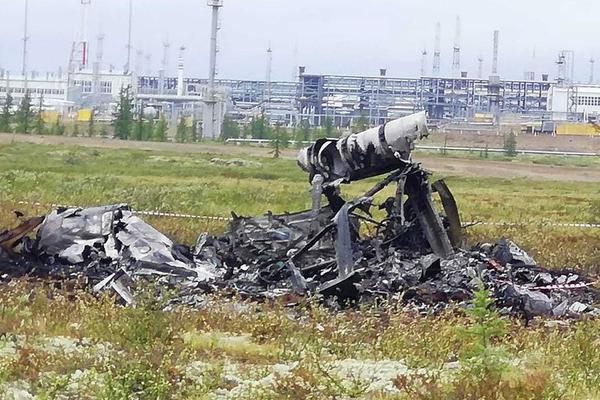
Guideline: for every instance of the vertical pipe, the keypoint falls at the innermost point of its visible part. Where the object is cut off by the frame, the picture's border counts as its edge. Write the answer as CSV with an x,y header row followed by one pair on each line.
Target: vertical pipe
x,y
25,40
456,54
84,33
436,50
267,99
180,67
210,126
128,65
495,59
212,67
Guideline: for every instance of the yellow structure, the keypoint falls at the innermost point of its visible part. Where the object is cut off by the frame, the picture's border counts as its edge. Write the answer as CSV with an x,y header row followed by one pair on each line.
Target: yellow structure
x,y
571,129
84,115
50,117
483,118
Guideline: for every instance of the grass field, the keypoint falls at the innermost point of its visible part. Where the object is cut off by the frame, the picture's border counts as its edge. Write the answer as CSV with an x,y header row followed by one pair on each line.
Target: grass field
x,y
62,342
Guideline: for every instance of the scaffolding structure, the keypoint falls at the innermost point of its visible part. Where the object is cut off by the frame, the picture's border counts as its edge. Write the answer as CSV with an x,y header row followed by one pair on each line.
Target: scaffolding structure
x,y
344,98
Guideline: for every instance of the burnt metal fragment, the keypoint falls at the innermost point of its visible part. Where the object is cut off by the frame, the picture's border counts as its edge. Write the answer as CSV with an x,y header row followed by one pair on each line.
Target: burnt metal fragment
x,y
340,250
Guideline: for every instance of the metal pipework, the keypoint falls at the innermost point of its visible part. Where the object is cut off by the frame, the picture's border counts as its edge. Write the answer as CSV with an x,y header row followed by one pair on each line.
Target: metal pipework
x,y
362,155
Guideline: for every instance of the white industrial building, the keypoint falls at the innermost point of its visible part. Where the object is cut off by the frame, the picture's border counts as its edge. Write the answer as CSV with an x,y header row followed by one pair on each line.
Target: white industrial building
x,y
576,101
65,92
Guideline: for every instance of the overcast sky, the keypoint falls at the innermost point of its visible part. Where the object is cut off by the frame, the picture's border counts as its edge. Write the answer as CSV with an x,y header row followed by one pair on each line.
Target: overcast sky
x,y
330,36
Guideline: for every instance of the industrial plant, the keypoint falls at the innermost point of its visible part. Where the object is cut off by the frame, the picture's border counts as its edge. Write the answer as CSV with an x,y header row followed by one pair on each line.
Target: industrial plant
x,y
90,86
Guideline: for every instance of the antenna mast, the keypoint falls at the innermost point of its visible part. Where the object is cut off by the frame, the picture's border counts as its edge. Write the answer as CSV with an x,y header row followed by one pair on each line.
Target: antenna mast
x,y
436,50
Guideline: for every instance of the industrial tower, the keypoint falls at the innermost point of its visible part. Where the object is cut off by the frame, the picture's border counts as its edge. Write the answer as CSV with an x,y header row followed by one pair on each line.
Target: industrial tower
x,y
82,46
165,59
211,120
97,66
495,54
423,61
25,40
180,72
267,96
456,53
164,66
480,67
127,68
592,62
436,50
566,66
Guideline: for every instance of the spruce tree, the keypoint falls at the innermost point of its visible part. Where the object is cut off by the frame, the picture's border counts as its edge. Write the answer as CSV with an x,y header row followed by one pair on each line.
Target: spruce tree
x,y
103,131
510,145
360,125
123,117
231,130
6,116
40,125
160,130
148,132
24,115
304,133
91,125
259,127
138,128
59,128
329,129
182,135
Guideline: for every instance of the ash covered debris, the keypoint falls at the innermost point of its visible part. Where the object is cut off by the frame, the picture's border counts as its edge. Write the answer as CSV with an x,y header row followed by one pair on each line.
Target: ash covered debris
x,y
412,255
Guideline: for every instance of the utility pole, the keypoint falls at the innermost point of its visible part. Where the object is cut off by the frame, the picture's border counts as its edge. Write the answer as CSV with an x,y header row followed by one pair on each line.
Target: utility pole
x,y
164,67
139,61
165,59
84,41
129,48
180,71
25,40
97,67
211,126
148,58
456,53
267,99
295,67
436,50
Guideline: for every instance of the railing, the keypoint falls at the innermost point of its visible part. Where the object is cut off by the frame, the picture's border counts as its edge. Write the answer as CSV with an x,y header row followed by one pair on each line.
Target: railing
x,y
263,142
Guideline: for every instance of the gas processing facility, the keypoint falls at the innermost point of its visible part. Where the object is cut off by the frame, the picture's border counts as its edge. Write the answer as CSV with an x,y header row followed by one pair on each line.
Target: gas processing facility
x,y
312,97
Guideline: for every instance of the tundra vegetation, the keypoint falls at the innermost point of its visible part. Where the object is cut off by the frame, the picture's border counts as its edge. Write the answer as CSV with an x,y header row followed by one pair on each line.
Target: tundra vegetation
x,y
58,341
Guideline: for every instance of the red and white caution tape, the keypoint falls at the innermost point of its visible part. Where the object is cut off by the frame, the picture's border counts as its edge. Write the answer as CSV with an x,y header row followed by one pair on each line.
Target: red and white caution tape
x,y
138,212
541,223
157,213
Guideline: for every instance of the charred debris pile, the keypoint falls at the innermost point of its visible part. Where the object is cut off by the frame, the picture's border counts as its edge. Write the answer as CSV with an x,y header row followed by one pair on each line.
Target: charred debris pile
x,y
413,255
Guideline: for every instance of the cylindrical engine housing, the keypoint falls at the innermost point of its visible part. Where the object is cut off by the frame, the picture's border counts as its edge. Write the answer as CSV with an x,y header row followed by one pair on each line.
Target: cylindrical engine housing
x,y
362,155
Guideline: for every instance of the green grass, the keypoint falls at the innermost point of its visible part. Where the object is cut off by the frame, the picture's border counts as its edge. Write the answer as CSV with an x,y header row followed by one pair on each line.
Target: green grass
x,y
553,160
60,341
190,183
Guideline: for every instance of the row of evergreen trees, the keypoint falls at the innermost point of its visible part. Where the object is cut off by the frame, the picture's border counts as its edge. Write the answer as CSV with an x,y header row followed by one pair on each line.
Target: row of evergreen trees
x,y
25,119
260,128
130,124
29,119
